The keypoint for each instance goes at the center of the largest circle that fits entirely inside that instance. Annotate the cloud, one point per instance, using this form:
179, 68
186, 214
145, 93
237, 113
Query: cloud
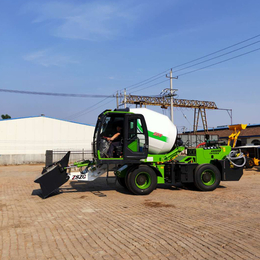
47, 58
89, 21
35, 55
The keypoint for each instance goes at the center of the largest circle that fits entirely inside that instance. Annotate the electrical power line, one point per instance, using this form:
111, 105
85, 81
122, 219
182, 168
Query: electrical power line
56, 94
151, 86
224, 54
147, 82
84, 111
243, 54
211, 65
151, 79
90, 110
75, 115
202, 67
157, 76
212, 53
144, 82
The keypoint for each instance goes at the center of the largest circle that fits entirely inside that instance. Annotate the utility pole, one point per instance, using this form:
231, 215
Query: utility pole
125, 97
171, 92
117, 103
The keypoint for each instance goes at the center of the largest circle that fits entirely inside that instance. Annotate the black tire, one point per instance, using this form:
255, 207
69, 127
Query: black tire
207, 177
142, 180
121, 181
249, 163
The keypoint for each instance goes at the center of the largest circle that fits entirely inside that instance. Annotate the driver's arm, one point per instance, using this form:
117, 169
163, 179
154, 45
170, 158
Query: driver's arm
113, 137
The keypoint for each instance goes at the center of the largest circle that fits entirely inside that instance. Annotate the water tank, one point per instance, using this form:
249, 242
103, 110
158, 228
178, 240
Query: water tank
161, 131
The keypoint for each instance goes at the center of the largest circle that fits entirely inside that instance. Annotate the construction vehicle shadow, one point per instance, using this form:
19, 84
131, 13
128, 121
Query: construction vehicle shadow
168, 187
221, 187
38, 192
188, 186
96, 187
99, 186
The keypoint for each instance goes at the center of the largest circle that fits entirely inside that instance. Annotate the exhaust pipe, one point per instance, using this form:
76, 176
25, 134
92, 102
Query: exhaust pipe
53, 176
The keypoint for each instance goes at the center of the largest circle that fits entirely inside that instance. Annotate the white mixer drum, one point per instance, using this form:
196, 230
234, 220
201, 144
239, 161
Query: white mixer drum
161, 131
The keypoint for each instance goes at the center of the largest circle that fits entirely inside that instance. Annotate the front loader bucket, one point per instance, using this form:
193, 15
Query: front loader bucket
53, 176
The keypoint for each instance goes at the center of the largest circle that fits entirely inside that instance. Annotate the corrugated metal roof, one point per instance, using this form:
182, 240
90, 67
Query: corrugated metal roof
219, 128
4, 120
250, 131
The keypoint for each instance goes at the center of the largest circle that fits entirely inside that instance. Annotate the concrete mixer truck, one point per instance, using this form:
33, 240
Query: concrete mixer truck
146, 154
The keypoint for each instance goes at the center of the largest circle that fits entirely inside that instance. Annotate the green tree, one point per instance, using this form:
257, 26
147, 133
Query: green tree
5, 116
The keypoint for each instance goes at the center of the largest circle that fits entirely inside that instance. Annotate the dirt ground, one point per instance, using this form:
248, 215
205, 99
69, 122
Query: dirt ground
100, 221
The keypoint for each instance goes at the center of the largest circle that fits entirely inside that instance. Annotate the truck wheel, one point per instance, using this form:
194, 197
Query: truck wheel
207, 177
121, 181
249, 163
142, 180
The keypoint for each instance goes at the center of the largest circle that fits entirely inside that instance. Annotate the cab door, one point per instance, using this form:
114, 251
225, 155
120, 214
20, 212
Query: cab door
135, 137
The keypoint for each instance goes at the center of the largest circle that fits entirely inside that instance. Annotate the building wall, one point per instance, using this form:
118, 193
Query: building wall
25, 140
253, 139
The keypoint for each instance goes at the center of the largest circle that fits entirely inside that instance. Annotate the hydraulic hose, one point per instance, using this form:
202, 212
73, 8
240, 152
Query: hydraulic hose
235, 155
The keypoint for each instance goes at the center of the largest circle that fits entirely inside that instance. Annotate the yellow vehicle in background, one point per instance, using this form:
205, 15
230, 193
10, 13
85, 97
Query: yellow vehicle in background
232, 139
252, 153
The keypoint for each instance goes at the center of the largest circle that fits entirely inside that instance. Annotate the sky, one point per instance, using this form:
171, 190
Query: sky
101, 47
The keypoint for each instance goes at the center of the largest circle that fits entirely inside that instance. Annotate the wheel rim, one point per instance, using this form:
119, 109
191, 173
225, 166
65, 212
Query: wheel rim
208, 177
143, 180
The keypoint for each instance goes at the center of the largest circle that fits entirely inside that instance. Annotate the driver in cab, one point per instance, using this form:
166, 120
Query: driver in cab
115, 140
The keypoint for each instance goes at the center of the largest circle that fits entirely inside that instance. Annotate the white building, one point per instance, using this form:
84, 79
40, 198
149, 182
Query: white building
25, 140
